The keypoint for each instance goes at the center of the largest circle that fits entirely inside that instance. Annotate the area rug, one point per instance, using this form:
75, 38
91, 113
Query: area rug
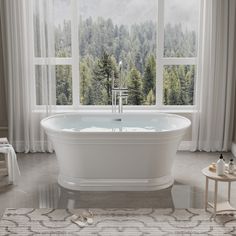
119, 222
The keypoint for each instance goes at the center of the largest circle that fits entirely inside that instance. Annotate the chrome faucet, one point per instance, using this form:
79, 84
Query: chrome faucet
118, 93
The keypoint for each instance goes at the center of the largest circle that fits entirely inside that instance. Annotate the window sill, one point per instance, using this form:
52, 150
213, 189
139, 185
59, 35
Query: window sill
126, 111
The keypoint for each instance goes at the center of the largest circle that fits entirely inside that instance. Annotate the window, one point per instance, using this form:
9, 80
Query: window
178, 65
84, 48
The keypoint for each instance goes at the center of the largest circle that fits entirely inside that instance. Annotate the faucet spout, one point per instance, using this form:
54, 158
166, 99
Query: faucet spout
119, 92
118, 96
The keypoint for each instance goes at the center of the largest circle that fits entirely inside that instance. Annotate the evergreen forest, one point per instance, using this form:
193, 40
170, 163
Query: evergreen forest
103, 44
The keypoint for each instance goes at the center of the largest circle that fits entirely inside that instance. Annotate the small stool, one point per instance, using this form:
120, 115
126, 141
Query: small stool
223, 207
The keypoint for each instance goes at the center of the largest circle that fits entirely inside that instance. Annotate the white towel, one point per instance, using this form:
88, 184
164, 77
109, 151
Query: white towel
13, 168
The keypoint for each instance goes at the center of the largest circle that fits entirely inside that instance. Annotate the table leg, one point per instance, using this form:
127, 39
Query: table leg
215, 197
206, 193
229, 190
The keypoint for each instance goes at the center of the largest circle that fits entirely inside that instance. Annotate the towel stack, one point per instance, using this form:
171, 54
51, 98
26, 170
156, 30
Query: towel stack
3, 141
12, 165
3, 164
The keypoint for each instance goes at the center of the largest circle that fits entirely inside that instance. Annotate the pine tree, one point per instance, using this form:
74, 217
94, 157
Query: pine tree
135, 93
190, 77
63, 85
85, 83
151, 98
149, 80
105, 69
184, 84
174, 89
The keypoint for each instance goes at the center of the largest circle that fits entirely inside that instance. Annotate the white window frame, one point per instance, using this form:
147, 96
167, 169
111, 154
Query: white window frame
161, 61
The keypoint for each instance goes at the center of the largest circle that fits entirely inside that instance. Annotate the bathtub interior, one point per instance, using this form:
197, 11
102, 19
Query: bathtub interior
116, 123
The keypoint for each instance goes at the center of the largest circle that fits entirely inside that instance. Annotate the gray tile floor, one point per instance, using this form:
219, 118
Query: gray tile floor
38, 187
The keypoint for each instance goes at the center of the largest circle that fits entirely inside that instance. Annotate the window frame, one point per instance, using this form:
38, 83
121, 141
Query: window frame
161, 61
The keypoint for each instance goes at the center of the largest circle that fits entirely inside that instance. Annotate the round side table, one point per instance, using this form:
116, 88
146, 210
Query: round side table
222, 207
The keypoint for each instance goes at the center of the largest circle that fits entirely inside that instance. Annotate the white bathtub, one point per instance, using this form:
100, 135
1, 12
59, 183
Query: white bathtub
111, 152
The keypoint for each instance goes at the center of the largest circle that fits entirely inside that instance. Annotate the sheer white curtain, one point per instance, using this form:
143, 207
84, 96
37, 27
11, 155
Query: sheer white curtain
213, 121
25, 132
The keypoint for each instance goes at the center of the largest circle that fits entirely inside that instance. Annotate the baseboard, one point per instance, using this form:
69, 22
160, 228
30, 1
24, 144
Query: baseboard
233, 149
185, 146
36, 146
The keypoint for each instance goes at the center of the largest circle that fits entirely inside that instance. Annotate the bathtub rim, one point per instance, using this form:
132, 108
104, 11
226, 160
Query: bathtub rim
50, 130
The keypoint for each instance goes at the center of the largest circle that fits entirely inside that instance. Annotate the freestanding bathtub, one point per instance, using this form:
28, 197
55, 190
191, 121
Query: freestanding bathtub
133, 152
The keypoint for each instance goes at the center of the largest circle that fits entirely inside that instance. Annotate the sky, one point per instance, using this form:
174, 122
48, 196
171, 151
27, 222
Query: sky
184, 11
120, 11
135, 11
129, 12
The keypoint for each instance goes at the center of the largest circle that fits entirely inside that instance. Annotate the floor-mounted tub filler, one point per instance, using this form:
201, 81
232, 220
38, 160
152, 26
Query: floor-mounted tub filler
133, 152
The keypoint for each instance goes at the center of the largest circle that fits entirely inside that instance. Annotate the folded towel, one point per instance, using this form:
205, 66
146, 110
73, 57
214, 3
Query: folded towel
3, 141
5, 145
13, 168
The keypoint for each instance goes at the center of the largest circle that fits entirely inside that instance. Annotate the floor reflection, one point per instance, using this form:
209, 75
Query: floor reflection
178, 196
186, 196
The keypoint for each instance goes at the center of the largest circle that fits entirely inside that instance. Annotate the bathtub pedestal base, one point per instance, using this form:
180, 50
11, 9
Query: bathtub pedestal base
115, 184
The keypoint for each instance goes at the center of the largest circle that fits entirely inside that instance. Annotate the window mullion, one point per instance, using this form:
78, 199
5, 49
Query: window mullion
75, 53
160, 52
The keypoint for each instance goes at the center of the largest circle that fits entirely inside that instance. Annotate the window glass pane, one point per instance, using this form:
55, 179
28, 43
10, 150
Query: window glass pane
53, 85
178, 84
52, 28
62, 27
181, 22
112, 31
63, 85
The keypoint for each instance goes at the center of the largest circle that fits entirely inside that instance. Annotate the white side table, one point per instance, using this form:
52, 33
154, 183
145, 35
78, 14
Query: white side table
222, 207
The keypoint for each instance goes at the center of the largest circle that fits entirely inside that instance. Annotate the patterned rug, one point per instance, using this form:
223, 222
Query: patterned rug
119, 222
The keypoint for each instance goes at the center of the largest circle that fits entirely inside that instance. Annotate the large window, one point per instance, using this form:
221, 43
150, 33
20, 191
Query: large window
87, 47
